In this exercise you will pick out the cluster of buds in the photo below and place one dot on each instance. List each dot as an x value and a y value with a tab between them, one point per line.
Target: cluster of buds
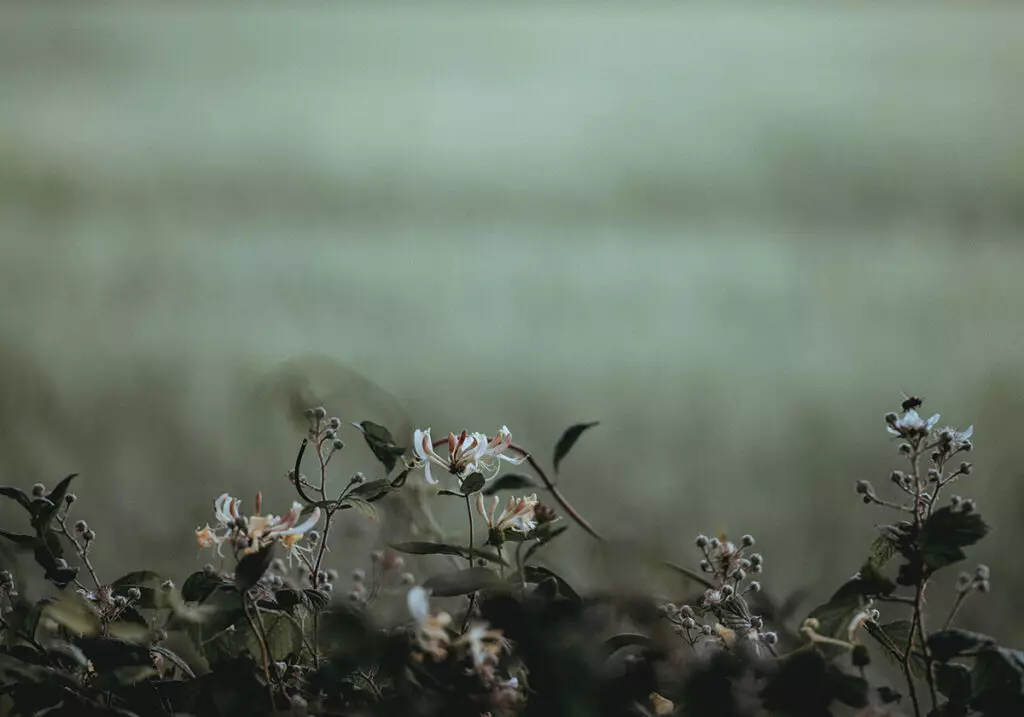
387	577
978	581
721	614
922	438
323	431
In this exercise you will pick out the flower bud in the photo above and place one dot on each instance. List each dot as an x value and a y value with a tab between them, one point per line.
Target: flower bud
967	447
945	435
377	556
739	575
688	623
934	475
966	468
120	601
332	575
81	526
313	536
891	418
38	490
747	541
358	479
982	572
897	477
983	586
70	498
134	593
167	585
89	535
756	622
904	449
860	657
754	587
338	444
968	506
334	423
756	559
714	543
330	434
863	487
705	566
702	541
727	590
706	629
319	413
358	575
770	638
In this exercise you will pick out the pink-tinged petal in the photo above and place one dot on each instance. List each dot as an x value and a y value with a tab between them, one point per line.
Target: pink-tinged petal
422	444
480	507
305	526
452	443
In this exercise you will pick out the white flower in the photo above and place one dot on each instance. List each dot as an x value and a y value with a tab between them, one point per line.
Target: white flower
910	423
468	453
517	514
255	531
431	632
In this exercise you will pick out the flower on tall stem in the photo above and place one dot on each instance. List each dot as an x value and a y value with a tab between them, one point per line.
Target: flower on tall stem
468	453
517	515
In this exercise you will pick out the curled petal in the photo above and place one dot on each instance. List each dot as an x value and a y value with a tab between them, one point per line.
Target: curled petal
418	605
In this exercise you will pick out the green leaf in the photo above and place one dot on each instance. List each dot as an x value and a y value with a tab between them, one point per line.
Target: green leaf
954	681
56	496
289	598
472	483
538	574
883	549
568	440
426	548
805	684
148	583
108	653
25	541
947	644
372	490
381	442
318	599
835	615
252	567
463	582
509	481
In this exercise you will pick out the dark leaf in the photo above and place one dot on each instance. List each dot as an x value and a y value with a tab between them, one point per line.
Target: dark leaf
368	509
107	653
425	548
888	695
400	479
289	598
381	442
568	440
835	615
463	582
56	497
445	491
252	567
947	644
996	682
17	495
25	541
200	584
473	483
537	574
805	685
148	583
884	547
509	481
945	532
628	639
954	681
318	599
372	490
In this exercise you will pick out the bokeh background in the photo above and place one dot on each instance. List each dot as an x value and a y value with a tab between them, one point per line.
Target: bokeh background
731	234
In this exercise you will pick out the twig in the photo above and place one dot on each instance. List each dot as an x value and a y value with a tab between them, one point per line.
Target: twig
557	494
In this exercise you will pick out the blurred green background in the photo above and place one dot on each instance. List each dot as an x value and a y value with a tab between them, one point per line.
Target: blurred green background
732	234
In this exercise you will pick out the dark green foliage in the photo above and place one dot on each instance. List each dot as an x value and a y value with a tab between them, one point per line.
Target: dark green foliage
568	440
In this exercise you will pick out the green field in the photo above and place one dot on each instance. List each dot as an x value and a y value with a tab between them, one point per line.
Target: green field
733	235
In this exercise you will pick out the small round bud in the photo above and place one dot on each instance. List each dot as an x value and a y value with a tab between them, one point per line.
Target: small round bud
863	487
688	623
945	435
866	499
481	563
358	575
897	477
754	587
747	541
120	601
739	575
397	562
891	418
377	556
966	468
338	444
706	629
756	559
332	575
874	615
714	543
955	501
705	566
727	590
313	536
321	577
70	498
327	587
81	526
702	541
38	490
934	475
89	535
983	586
967	447
904	449
664	610
770	638
330	434
936	456
134	593
756	622
963	582
319	413
687	611
408	579
982	572
745	564
358	479
334	423
167	585
968	506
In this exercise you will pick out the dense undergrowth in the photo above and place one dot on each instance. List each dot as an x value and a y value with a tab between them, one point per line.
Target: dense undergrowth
267	628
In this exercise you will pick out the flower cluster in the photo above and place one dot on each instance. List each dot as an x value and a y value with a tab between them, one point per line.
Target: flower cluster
248	534
518	515
468	453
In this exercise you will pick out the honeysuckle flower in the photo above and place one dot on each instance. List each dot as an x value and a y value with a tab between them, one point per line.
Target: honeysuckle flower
431	630
911	423
484	646
468	453
517	514
250	533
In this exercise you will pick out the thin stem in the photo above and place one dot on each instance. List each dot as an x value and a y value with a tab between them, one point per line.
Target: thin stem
469	512
264	654
955	609
80	549
557	494
929	671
